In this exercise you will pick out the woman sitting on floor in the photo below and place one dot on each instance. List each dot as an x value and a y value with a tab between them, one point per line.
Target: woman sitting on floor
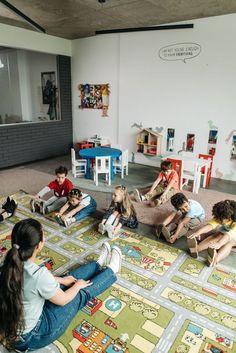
36	307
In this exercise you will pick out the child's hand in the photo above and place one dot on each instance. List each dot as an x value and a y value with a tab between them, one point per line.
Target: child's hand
83	284
68	280
63	217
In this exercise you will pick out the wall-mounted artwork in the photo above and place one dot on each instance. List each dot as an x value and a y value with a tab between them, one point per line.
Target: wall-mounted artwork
190	142
170	140
95	96
233	147
49	93
212	140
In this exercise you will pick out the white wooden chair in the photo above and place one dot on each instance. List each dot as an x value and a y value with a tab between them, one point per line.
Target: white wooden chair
122	164
102	166
190	171
79	166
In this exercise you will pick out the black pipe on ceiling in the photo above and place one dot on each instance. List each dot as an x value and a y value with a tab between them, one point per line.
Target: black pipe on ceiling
22	15
140	29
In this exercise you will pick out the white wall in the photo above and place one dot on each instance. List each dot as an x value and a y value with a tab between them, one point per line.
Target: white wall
22	38
95	60
188	96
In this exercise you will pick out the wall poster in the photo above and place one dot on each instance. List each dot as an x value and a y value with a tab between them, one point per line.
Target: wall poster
95	96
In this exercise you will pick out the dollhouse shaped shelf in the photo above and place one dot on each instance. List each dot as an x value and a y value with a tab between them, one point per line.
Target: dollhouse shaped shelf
149	142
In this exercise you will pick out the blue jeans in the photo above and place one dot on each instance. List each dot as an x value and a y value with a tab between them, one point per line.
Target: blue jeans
86	211
55	319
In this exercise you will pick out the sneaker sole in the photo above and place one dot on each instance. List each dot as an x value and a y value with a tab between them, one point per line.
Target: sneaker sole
158	230
137	196
192	245
211	257
101	231
120	254
166	234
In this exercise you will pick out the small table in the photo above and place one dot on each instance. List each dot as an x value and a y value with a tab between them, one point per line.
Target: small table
99	152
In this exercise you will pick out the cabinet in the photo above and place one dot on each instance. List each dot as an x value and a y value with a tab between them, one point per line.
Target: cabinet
149	142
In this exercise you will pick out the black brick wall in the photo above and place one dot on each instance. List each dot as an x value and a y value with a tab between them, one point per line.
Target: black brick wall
22	143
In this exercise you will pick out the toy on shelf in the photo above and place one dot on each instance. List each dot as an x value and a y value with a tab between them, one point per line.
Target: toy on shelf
149	142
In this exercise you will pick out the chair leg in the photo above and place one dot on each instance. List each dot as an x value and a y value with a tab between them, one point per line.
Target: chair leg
122	172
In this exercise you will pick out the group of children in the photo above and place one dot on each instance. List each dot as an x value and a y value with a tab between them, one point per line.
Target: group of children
71	205
218	236
37	307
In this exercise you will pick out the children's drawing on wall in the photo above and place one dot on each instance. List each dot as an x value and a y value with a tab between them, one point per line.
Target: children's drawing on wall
138	126
190	142
212	140
233	147
180	51
49	93
159	129
95	96
170	140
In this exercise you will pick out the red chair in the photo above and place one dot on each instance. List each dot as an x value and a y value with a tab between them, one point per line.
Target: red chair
86	145
208	157
177	166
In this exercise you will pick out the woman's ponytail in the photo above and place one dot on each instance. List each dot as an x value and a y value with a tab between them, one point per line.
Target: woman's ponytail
26	235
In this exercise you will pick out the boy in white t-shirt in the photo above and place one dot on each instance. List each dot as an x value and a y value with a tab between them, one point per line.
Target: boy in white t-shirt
188	215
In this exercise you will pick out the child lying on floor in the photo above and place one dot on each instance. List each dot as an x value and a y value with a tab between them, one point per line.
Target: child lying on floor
121	212
223	233
165	186
78	206
188	215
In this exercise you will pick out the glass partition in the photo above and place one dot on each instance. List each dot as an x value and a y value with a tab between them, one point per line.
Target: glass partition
28	86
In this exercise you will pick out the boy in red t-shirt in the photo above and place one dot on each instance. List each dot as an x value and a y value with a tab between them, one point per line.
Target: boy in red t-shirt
61	187
165	186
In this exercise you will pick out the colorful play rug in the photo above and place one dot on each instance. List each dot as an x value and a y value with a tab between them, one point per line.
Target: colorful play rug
164	301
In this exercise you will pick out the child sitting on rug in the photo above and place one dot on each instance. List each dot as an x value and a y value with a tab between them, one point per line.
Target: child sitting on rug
37	307
8	209
188	215
120	213
165	186
61	187
223	233
78	206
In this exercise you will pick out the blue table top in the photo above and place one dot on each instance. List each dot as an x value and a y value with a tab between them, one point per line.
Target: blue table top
99	152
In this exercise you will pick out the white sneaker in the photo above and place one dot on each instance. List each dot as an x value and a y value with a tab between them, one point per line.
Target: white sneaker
116	259
105	254
69	221
101	228
110	231
138	197
43	208
32	206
